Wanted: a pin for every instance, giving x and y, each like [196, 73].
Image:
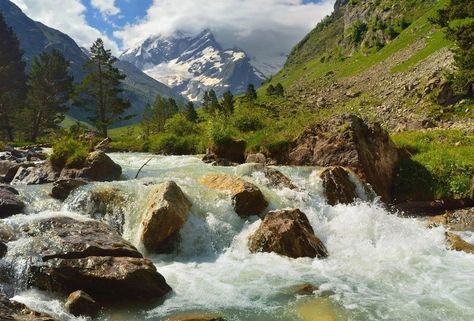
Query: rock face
[68, 255]
[247, 198]
[14, 311]
[288, 233]
[97, 167]
[80, 303]
[347, 141]
[10, 204]
[167, 211]
[229, 150]
[63, 187]
[33, 175]
[456, 243]
[338, 187]
[258, 158]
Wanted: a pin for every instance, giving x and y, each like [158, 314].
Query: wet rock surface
[288, 233]
[247, 198]
[80, 303]
[14, 311]
[456, 243]
[167, 211]
[338, 187]
[10, 203]
[63, 187]
[226, 153]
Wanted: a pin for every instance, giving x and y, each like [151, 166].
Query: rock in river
[247, 198]
[167, 211]
[338, 187]
[80, 303]
[289, 233]
[10, 204]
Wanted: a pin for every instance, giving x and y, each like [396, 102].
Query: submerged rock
[63, 187]
[10, 204]
[14, 311]
[338, 187]
[167, 211]
[349, 142]
[288, 233]
[80, 303]
[456, 243]
[278, 179]
[67, 255]
[247, 198]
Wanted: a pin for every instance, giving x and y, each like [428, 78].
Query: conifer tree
[457, 19]
[206, 102]
[228, 103]
[12, 79]
[279, 91]
[214, 102]
[191, 113]
[147, 121]
[49, 90]
[270, 90]
[100, 91]
[251, 93]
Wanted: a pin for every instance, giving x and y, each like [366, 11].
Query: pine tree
[49, 89]
[228, 103]
[12, 79]
[279, 91]
[100, 91]
[251, 93]
[457, 19]
[206, 102]
[160, 113]
[147, 121]
[191, 113]
[214, 106]
[270, 90]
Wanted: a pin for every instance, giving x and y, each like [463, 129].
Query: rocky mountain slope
[35, 38]
[380, 59]
[192, 65]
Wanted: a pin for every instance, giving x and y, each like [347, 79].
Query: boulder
[34, 175]
[167, 211]
[258, 158]
[277, 178]
[6, 165]
[338, 187]
[247, 198]
[195, 317]
[10, 204]
[456, 243]
[349, 142]
[67, 255]
[228, 149]
[14, 311]
[80, 303]
[63, 187]
[97, 167]
[288, 233]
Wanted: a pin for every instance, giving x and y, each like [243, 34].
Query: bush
[177, 145]
[247, 123]
[179, 125]
[69, 153]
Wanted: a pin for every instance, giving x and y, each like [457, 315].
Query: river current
[380, 266]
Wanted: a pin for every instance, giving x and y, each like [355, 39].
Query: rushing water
[380, 266]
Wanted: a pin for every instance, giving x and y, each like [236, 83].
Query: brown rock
[10, 204]
[459, 220]
[63, 187]
[228, 149]
[167, 211]
[347, 141]
[247, 198]
[338, 187]
[258, 158]
[277, 178]
[97, 167]
[14, 311]
[80, 303]
[195, 317]
[456, 243]
[289, 233]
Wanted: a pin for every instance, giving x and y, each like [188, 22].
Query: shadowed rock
[80, 303]
[338, 187]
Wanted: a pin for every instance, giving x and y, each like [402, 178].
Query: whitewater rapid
[380, 266]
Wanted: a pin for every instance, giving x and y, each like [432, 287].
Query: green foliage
[49, 89]
[275, 90]
[101, 89]
[12, 80]
[227, 106]
[357, 31]
[441, 165]
[251, 93]
[169, 143]
[191, 113]
[247, 123]
[2, 146]
[179, 125]
[69, 152]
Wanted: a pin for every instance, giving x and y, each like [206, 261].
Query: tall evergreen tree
[49, 89]
[251, 93]
[457, 19]
[12, 79]
[163, 109]
[279, 91]
[206, 102]
[100, 91]
[270, 90]
[147, 121]
[214, 102]
[191, 113]
[228, 103]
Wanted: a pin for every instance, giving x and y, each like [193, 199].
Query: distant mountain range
[193, 64]
[35, 38]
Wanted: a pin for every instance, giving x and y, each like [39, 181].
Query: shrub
[177, 145]
[358, 31]
[69, 153]
[179, 125]
[247, 123]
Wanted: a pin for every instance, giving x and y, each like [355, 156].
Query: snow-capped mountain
[192, 65]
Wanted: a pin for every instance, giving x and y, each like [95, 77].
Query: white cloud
[266, 29]
[68, 16]
[106, 7]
